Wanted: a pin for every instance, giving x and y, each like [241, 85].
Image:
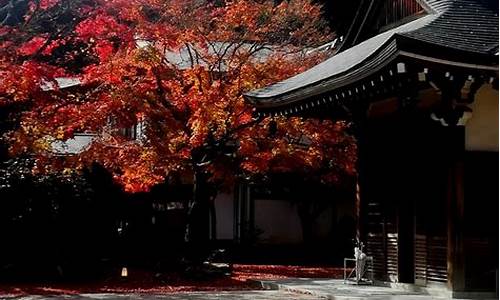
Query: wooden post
[456, 263]
[358, 208]
[360, 119]
[408, 126]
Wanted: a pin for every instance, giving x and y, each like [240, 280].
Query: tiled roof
[467, 28]
[62, 83]
[468, 25]
[74, 145]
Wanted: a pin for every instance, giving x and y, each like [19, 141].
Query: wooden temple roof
[455, 33]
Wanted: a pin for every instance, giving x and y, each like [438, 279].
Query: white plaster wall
[278, 220]
[324, 223]
[481, 131]
[346, 207]
[280, 223]
[224, 210]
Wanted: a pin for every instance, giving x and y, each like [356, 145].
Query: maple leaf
[46, 4]
[104, 49]
[32, 46]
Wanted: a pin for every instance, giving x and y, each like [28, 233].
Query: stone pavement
[242, 295]
[281, 289]
[336, 289]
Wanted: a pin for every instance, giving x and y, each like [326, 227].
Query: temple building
[419, 81]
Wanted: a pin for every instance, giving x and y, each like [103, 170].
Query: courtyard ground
[243, 278]
[317, 291]
[259, 282]
[242, 295]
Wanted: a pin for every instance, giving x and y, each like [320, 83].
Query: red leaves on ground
[254, 272]
[146, 282]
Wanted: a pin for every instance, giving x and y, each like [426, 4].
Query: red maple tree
[178, 67]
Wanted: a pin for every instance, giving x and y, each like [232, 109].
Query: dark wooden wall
[404, 200]
[481, 220]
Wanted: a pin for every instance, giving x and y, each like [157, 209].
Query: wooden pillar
[360, 119]
[455, 195]
[455, 91]
[408, 170]
[360, 228]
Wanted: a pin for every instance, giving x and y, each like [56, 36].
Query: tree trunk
[308, 212]
[196, 234]
[213, 218]
[306, 221]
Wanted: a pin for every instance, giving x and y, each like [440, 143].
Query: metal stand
[365, 271]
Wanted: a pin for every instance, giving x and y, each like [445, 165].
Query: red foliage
[182, 67]
[32, 46]
[46, 4]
